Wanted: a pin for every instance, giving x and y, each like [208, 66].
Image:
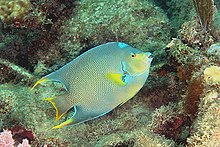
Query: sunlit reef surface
[178, 105]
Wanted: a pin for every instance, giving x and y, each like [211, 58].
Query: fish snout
[149, 56]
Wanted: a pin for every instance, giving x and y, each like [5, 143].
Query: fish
[98, 81]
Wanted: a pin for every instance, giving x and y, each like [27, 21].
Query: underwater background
[179, 104]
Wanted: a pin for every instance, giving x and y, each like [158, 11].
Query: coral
[180, 52]
[6, 139]
[20, 133]
[14, 11]
[25, 143]
[36, 37]
[212, 74]
[127, 123]
[177, 11]
[23, 14]
[205, 11]
[192, 35]
[215, 28]
[194, 55]
[192, 99]
[205, 131]
[14, 73]
[168, 120]
[213, 53]
[6, 103]
[138, 23]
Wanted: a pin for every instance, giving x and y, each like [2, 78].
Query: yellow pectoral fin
[38, 82]
[66, 123]
[116, 78]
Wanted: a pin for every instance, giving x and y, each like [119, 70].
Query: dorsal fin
[58, 76]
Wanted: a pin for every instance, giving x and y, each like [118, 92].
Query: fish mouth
[149, 56]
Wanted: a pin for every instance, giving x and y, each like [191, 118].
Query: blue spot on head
[122, 45]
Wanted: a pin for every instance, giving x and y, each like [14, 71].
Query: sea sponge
[14, 10]
[212, 74]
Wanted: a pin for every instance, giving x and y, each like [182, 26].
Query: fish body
[99, 80]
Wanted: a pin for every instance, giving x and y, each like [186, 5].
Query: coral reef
[178, 105]
[116, 128]
[6, 140]
[177, 11]
[6, 103]
[139, 23]
[37, 39]
[14, 11]
[195, 54]
[205, 130]
[192, 35]
[23, 14]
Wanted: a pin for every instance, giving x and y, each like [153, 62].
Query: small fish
[99, 80]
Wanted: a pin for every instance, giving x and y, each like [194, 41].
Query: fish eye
[133, 55]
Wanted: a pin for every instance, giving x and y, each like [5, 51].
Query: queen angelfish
[99, 80]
